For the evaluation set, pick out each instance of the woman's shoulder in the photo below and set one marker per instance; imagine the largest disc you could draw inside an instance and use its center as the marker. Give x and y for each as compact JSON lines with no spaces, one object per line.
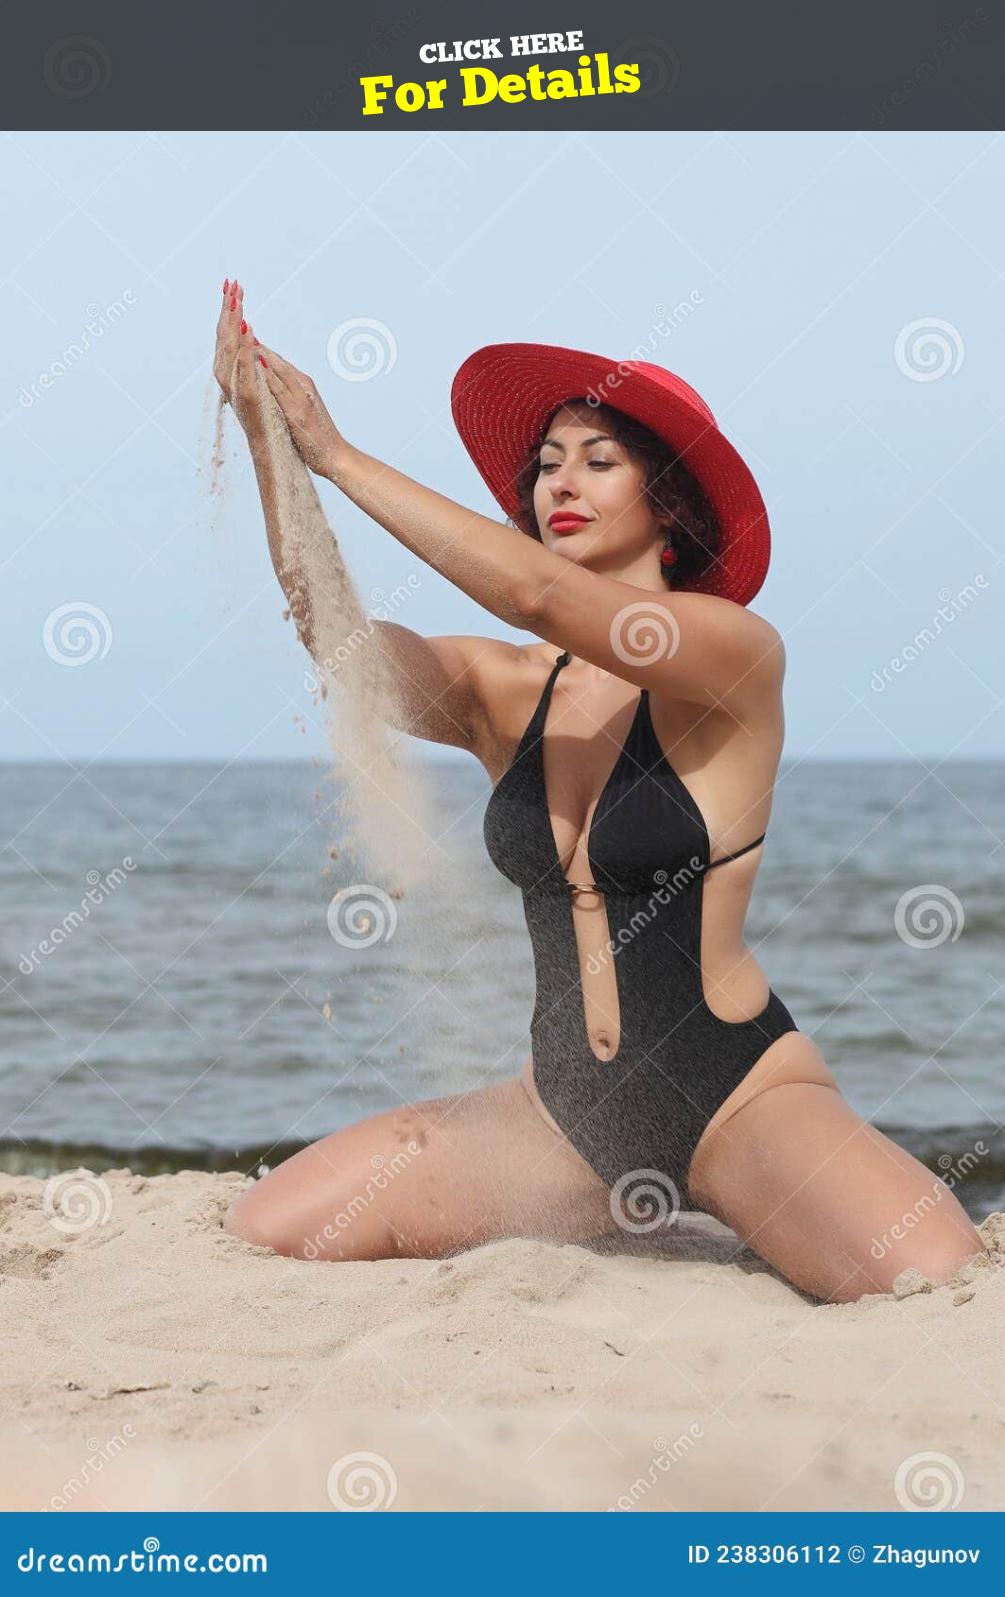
{"x":502,"y":666}
{"x":510,"y":679}
{"x":759,"y":649}
{"x":492,"y":666}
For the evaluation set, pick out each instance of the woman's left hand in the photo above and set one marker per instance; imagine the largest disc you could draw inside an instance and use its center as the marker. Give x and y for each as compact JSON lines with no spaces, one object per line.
{"x":311,"y":427}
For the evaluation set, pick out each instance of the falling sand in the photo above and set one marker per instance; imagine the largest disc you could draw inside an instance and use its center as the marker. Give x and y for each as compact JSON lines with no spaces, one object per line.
{"x":384,"y":808}
{"x":212,"y":455}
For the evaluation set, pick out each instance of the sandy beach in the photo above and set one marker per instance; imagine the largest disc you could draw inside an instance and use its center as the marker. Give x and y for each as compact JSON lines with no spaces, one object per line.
{"x":153,"y":1361}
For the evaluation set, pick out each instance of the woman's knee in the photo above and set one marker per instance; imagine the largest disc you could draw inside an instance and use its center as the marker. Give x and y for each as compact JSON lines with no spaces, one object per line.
{"x":305,"y":1219}
{"x":939,"y":1256}
{"x":251,"y":1218}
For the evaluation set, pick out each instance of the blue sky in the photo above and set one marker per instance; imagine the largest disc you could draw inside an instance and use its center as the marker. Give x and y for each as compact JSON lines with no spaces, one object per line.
{"x":842,"y":320}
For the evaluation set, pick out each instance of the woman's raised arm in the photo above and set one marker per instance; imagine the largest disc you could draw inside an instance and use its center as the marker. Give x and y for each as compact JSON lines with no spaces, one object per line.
{"x":434,"y":682}
{"x":690,"y":645}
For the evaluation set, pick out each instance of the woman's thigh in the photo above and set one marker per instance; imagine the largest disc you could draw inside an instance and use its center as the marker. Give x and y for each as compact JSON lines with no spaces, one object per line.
{"x":427,"y":1179}
{"x":824,"y":1197}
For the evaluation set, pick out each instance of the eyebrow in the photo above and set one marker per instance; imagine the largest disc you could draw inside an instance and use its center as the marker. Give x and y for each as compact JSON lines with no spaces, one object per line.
{"x":595,"y":438}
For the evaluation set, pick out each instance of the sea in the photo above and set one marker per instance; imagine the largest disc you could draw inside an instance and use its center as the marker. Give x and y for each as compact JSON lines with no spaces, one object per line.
{"x":196,"y":972}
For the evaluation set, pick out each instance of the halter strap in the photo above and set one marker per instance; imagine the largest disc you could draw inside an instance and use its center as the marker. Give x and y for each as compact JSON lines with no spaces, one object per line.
{"x":744,"y":850}
{"x":594,"y":887}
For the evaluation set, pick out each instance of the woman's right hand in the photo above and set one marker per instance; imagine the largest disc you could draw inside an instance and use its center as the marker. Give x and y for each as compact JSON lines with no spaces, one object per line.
{"x":228,"y":336}
{"x":238,"y":382}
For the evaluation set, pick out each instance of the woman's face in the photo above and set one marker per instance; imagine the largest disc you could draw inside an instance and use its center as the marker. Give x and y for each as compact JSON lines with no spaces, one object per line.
{"x":587,"y":477}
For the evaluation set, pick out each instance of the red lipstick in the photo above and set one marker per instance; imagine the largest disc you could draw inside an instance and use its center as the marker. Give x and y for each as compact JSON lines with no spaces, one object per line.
{"x":566,"y":521}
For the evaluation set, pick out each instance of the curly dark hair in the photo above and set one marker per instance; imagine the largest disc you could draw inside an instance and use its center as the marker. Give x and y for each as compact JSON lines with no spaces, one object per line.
{"x":669,"y":486}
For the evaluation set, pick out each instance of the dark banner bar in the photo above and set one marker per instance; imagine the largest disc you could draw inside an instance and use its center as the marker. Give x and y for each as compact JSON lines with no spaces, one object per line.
{"x":778,"y":64}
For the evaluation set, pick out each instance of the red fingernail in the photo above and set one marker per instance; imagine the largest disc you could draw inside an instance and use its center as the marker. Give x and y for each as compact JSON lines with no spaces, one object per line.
{"x":258,"y":340}
{"x":244,"y":326}
{"x":226,"y":284}
{"x":233,"y":303}
{"x":263,"y":360}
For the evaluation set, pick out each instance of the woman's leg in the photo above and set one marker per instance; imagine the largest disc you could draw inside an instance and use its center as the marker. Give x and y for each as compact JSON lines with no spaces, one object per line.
{"x":425,"y":1180}
{"x":832,"y":1203}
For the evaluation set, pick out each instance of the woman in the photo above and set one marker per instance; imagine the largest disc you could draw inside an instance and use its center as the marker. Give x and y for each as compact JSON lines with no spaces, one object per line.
{"x":664,"y":1068}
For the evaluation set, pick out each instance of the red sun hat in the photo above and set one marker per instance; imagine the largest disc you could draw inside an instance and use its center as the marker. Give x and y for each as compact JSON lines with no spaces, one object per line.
{"x":503,"y":396}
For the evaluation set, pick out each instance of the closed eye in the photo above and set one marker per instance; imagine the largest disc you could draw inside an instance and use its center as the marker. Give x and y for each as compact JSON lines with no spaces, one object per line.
{"x":598,"y":465}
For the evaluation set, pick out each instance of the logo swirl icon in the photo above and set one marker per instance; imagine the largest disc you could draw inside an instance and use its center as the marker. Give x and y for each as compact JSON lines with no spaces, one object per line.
{"x":929,"y":1481}
{"x":361,"y":348}
{"x":643,"y":633}
{"x":76,"y":1200}
{"x":75,"y":67}
{"x":76,"y":633}
{"x":362,"y":1482}
{"x":362,"y":915}
{"x":928,"y":349}
{"x":644,"y":1200}
{"x":928,"y":916}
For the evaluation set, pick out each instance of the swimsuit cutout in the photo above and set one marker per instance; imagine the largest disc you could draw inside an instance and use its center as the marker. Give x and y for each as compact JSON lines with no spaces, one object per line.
{"x":644,"y":1109}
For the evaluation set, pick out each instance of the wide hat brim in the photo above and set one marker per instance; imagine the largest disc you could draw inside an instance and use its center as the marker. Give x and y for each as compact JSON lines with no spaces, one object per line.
{"x":504,"y":394}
